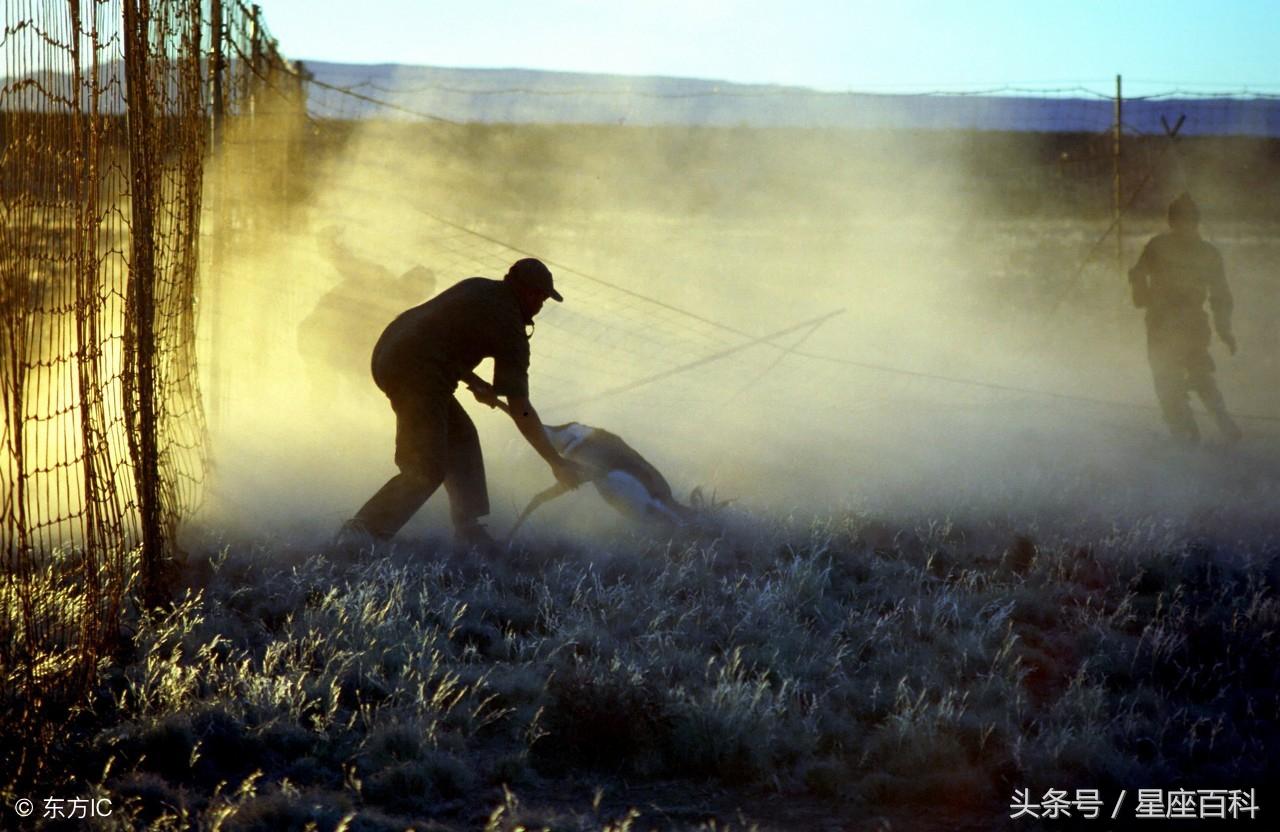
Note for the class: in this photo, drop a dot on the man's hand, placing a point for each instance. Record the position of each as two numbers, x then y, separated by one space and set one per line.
570 474
1230 341
483 391
1138 283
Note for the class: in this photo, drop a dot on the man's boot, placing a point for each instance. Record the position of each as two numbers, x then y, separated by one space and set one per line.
474 535
353 541
1231 432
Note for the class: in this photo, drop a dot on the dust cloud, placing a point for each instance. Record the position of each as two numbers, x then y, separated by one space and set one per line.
985 362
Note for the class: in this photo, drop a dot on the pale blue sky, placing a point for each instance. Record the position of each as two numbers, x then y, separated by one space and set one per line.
822 43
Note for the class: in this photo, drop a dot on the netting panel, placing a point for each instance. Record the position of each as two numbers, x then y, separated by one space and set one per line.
105 116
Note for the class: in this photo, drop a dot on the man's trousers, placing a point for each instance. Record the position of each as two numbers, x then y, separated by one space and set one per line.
436 443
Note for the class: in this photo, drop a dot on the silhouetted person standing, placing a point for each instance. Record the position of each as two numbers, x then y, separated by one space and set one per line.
336 336
418 362
1175 274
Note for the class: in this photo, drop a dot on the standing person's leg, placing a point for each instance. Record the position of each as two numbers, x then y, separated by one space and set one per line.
1169 375
422 441
1200 369
464 478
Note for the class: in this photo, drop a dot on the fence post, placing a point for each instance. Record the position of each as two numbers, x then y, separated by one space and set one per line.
255 85
217 260
300 78
255 60
217 65
1117 183
137 17
296 113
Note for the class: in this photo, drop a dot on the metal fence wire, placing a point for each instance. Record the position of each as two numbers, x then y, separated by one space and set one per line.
106 115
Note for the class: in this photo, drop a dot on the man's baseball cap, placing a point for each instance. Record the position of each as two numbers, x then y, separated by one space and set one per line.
534 274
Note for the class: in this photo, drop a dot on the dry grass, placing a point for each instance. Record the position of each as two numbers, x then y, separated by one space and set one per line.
848 664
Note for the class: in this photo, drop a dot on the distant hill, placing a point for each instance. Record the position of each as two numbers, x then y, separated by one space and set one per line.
523 96
529 96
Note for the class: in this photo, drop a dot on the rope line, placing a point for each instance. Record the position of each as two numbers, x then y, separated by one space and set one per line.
1009 388
782 354
717 356
746 90
754 340
750 91
614 286
1065 92
379 102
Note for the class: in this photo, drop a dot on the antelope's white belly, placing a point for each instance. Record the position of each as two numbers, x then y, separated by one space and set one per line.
628 495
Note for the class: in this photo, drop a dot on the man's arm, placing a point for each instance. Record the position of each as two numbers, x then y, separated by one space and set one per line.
522 412
481 389
1221 302
1139 277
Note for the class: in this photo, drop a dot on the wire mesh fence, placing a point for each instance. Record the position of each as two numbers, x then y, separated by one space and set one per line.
106 114
516 96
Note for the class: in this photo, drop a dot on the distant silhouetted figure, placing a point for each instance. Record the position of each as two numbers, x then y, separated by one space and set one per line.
1171 280
418 362
339 332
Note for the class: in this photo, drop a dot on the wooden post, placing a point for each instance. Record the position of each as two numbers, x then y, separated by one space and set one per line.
217 65
1117 183
218 259
255 60
255 84
142 281
300 78
295 115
